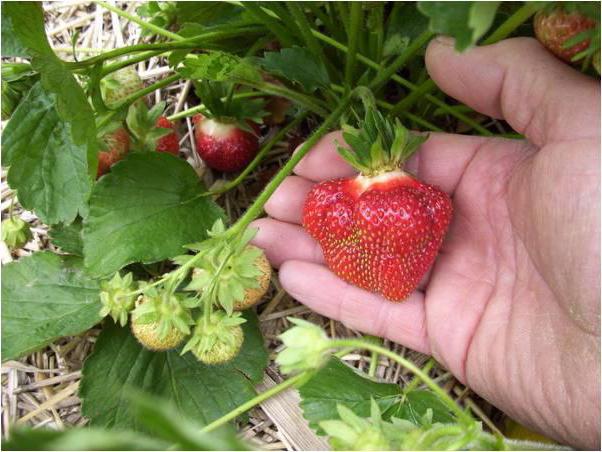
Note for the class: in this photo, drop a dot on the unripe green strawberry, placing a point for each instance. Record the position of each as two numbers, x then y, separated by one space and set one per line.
218 339
254 294
161 320
239 272
118 85
149 335
15 232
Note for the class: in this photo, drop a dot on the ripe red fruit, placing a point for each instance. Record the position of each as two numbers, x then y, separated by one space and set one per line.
169 143
224 146
380 231
116 145
554 28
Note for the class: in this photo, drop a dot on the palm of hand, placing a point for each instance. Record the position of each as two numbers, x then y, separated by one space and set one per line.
511 306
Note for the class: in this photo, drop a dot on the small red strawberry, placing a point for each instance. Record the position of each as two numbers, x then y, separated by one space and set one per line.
169 143
224 146
115 145
227 133
381 230
558 28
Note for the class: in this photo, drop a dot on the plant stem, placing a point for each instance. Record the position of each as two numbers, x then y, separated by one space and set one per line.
271 23
109 68
276 90
416 381
368 62
384 76
356 343
513 22
354 25
147 25
201 108
264 150
257 207
147 90
253 402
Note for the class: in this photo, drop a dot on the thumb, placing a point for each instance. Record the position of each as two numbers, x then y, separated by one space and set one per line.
520 81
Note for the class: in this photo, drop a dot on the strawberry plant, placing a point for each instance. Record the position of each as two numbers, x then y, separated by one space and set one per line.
148 202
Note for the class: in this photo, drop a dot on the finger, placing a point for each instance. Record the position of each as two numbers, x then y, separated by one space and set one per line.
284 241
356 308
520 81
323 162
286 204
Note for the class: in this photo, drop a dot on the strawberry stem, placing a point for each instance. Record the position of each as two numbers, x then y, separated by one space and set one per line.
257 207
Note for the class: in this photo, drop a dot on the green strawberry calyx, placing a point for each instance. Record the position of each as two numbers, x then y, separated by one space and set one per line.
168 311
217 338
15 232
379 146
230 265
116 298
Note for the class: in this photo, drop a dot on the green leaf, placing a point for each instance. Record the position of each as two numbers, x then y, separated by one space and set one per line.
404 24
202 392
415 405
298 65
467 22
68 237
47 168
80 439
11 45
219 67
210 13
148 207
27 20
338 384
44 297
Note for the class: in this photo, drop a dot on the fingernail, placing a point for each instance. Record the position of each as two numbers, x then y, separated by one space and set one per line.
445 40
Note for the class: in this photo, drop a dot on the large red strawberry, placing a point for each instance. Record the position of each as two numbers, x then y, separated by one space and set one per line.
115 146
169 143
382 229
224 146
556 28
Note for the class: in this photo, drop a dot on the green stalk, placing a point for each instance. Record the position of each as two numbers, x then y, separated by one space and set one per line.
147 25
271 23
253 402
257 207
109 68
354 31
384 76
416 381
149 89
519 17
368 62
264 150
305 101
304 27
188 43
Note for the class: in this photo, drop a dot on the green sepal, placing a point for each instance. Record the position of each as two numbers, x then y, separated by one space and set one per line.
379 145
116 298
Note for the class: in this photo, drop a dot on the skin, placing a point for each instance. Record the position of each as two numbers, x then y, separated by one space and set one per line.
512 304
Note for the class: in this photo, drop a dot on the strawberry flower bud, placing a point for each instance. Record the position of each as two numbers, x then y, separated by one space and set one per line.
115 297
306 346
217 339
15 232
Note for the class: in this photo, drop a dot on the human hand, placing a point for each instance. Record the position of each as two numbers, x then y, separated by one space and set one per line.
512 305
